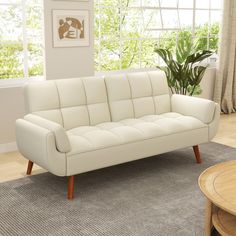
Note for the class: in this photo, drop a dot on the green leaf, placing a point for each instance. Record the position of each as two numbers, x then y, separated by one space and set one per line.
183 48
198 56
165 54
183 75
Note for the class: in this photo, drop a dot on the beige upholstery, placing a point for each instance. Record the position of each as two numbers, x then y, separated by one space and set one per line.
97 104
137 95
61 138
203 109
84 139
120 98
73 103
81 124
86 161
38 144
42 99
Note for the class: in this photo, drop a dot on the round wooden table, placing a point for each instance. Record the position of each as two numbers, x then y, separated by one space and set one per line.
218 184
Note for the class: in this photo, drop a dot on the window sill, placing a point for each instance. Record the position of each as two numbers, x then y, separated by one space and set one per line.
112 72
12 83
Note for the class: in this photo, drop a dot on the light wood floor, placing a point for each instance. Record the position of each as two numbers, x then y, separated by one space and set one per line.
13 165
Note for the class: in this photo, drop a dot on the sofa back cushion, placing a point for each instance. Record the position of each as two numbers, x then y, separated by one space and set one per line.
69 102
120 98
41 98
73 102
97 102
141 91
137 94
84 101
160 91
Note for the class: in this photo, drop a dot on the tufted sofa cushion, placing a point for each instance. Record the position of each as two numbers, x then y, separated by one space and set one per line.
42 99
73 103
137 94
69 102
97 104
93 100
108 134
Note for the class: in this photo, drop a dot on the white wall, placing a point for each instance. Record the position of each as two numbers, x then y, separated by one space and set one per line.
11 108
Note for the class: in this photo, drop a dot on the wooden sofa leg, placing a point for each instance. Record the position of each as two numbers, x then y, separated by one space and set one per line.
70 193
197 154
29 168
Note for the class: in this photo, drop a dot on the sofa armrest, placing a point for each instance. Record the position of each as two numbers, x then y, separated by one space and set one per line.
62 141
38 145
214 125
199 108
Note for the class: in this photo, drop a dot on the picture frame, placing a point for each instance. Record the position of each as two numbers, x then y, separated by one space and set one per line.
70 28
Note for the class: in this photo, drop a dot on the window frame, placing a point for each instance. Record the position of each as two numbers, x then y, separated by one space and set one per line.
18 82
159 8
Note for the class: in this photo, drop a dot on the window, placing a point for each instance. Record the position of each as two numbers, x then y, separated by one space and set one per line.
21 38
126 31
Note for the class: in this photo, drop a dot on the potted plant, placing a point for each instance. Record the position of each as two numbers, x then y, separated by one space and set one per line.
183 70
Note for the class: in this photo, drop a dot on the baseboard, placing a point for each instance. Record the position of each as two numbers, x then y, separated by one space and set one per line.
8 147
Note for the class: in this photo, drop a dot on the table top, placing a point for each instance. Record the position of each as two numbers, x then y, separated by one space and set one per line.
218 184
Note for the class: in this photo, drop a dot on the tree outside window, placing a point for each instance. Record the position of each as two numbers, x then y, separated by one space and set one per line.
21 37
127 31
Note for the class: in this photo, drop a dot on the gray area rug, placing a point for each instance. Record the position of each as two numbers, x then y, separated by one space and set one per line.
154 196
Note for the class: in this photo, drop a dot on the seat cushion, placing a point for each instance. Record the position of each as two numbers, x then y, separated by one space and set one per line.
173 122
108 134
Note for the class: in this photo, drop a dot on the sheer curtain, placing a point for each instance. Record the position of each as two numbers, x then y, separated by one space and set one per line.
225 85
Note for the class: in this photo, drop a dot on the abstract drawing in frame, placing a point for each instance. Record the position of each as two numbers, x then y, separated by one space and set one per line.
70 28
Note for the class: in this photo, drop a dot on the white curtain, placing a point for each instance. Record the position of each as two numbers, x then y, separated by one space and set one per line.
225 85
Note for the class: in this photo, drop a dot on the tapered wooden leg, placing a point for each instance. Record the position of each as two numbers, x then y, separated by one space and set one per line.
29 169
70 193
197 154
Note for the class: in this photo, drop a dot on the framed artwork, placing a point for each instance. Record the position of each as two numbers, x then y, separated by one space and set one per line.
70 28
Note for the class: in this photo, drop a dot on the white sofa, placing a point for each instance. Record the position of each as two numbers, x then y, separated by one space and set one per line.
82 124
